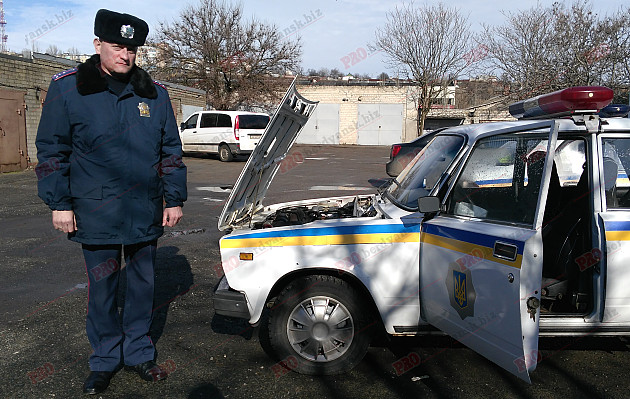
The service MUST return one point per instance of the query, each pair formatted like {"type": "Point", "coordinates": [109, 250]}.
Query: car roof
{"type": "Point", "coordinates": [231, 113]}
{"type": "Point", "coordinates": [476, 131]}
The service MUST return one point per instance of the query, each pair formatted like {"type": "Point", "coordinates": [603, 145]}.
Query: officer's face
{"type": "Point", "coordinates": [115, 58]}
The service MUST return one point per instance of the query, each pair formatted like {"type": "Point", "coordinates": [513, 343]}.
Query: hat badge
{"type": "Point", "coordinates": [127, 31]}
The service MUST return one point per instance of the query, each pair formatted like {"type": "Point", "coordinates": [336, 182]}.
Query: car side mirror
{"type": "Point", "coordinates": [428, 205]}
{"type": "Point", "coordinates": [182, 126]}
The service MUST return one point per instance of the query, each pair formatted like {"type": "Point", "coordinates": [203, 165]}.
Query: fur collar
{"type": "Point", "coordinates": [90, 79]}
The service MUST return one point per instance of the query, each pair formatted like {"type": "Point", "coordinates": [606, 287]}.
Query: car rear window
{"type": "Point", "coordinates": [253, 121]}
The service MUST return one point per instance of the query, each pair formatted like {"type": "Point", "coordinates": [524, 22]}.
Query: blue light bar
{"type": "Point", "coordinates": [615, 111]}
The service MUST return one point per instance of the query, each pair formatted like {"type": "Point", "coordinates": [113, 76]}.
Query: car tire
{"type": "Point", "coordinates": [319, 325]}
{"type": "Point", "coordinates": [225, 155]}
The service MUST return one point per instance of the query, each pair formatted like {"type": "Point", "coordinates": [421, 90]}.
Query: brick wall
{"type": "Point", "coordinates": [32, 76]}
{"type": "Point", "coordinates": [182, 95]}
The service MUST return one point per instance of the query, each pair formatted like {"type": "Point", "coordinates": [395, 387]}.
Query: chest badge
{"type": "Point", "coordinates": [144, 109]}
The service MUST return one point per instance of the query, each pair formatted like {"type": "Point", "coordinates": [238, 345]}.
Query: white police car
{"type": "Point", "coordinates": [495, 234]}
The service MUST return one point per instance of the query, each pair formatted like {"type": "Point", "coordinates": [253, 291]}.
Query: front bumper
{"type": "Point", "coordinates": [228, 302]}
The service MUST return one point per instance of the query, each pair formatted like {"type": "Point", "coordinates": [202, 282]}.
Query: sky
{"type": "Point", "coordinates": [334, 33]}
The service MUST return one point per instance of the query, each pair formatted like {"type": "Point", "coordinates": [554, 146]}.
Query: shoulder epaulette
{"type": "Point", "coordinates": [64, 74]}
{"type": "Point", "coordinates": [160, 84]}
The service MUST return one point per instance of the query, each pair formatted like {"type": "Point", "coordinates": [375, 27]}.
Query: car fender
{"type": "Point", "coordinates": [386, 266]}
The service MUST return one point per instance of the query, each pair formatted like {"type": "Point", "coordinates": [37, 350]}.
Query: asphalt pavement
{"type": "Point", "coordinates": [44, 351]}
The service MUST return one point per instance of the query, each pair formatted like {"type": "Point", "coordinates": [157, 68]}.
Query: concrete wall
{"type": "Point", "coordinates": [32, 76]}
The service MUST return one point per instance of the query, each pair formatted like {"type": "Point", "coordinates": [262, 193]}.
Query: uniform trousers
{"type": "Point", "coordinates": [113, 342]}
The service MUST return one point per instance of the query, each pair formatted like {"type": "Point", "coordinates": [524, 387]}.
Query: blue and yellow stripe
{"type": "Point", "coordinates": [622, 180]}
{"type": "Point", "coordinates": [617, 230]}
{"type": "Point", "coordinates": [469, 243]}
{"type": "Point", "coordinates": [494, 183]}
{"type": "Point", "coordinates": [337, 235]}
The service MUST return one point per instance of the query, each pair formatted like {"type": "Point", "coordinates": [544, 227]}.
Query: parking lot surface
{"type": "Point", "coordinates": [44, 351]}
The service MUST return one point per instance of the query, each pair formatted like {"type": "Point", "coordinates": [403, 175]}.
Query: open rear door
{"type": "Point", "coordinates": [481, 257]}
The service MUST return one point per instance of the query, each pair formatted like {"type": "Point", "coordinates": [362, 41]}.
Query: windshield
{"type": "Point", "coordinates": [424, 171]}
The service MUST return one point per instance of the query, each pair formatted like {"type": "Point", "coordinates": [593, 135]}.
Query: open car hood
{"type": "Point", "coordinates": [263, 163]}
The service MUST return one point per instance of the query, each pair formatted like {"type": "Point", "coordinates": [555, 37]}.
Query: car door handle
{"type": "Point", "coordinates": [505, 251]}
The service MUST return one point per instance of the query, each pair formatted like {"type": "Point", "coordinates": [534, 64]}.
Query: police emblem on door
{"type": "Point", "coordinates": [461, 291]}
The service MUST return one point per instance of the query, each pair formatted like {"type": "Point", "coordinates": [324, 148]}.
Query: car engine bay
{"type": "Point", "coordinates": [322, 210]}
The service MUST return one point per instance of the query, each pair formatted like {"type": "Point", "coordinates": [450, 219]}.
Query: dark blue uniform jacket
{"type": "Point", "coordinates": [113, 160]}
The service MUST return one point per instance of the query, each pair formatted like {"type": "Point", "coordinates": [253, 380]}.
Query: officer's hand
{"type": "Point", "coordinates": [172, 216]}
{"type": "Point", "coordinates": [64, 221]}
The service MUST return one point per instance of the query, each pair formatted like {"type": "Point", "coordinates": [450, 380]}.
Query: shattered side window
{"type": "Point", "coordinates": [615, 164]}
{"type": "Point", "coordinates": [501, 180]}
{"type": "Point", "coordinates": [570, 160]}
{"type": "Point", "coordinates": [423, 173]}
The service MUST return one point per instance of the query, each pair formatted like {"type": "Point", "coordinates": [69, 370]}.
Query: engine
{"type": "Point", "coordinates": [296, 215]}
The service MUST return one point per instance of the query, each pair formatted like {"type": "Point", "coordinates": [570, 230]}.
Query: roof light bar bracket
{"type": "Point", "coordinates": [591, 121]}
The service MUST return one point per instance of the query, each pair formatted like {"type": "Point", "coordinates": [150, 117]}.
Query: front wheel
{"type": "Point", "coordinates": [319, 326]}
{"type": "Point", "coordinates": [225, 155]}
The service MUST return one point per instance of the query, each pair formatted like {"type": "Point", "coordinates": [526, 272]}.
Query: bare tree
{"type": "Point", "coordinates": [543, 49]}
{"type": "Point", "coordinates": [429, 43]}
{"type": "Point", "coordinates": [323, 72]}
{"type": "Point", "coordinates": [53, 50]}
{"type": "Point", "coordinates": [73, 51]}
{"type": "Point", "coordinates": [615, 53]}
{"type": "Point", "coordinates": [213, 47]}
{"type": "Point", "coordinates": [335, 73]}
{"type": "Point", "coordinates": [521, 49]}
{"type": "Point", "coordinates": [575, 45]}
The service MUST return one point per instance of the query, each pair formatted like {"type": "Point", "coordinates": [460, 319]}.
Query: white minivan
{"type": "Point", "coordinates": [227, 133]}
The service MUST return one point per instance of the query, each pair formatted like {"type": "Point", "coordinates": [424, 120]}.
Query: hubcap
{"type": "Point", "coordinates": [320, 329]}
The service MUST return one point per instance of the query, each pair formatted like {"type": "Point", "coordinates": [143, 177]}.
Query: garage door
{"type": "Point", "coordinates": [379, 124]}
{"type": "Point", "coordinates": [322, 127]}
{"type": "Point", "coordinates": [12, 131]}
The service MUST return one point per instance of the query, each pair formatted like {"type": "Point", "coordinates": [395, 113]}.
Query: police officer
{"type": "Point", "coordinates": [118, 178]}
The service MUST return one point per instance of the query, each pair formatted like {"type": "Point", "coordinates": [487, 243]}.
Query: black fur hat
{"type": "Point", "coordinates": [119, 28]}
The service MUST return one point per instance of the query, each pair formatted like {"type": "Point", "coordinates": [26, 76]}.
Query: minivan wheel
{"type": "Point", "coordinates": [319, 325]}
{"type": "Point", "coordinates": [225, 155]}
